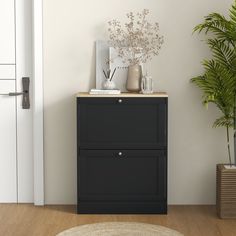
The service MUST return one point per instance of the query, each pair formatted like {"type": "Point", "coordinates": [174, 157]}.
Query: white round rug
{"type": "Point", "coordinates": [120, 229]}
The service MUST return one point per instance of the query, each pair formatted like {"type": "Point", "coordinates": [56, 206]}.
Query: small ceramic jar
{"type": "Point", "coordinates": [108, 84]}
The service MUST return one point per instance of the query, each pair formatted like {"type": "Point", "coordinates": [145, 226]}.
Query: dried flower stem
{"type": "Point", "coordinates": [138, 40]}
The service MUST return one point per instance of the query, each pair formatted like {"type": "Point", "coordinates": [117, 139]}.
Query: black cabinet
{"type": "Point", "coordinates": [122, 154]}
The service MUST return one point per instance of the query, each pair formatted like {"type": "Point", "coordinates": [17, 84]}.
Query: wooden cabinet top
{"type": "Point", "coordinates": [138, 95]}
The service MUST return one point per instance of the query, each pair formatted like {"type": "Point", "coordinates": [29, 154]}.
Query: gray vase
{"type": "Point", "coordinates": [133, 83]}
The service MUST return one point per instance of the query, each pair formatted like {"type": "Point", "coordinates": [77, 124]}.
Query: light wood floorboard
{"type": "Point", "coordinates": [28, 220]}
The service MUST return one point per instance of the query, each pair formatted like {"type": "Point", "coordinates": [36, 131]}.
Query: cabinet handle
{"type": "Point", "coordinates": [120, 154]}
{"type": "Point", "coordinates": [120, 100]}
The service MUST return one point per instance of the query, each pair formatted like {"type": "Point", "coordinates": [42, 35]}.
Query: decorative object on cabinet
{"type": "Point", "coordinates": [106, 91]}
{"type": "Point", "coordinates": [147, 84]}
{"type": "Point", "coordinates": [102, 54]}
{"type": "Point", "coordinates": [218, 84]}
{"type": "Point", "coordinates": [115, 61]}
{"type": "Point", "coordinates": [108, 59]}
{"type": "Point", "coordinates": [122, 153]}
{"type": "Point", "coordinates": [136, 43]}
{"type": "Point", "coordinates": [133, 83]}
{"type": "Point", "coordinates": [108, 83]}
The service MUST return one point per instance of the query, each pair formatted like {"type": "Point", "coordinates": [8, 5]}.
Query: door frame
{"type": "Point", "coordinates": [38, 144]}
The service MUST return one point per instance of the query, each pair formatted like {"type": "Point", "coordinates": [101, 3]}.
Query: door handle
{"type": "Point", "coordinates": [25, 93]}
{"type": "Point", "coordinates": [15, 94]}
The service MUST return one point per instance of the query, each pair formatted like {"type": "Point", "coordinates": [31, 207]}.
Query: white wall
{"type": "Point", "coordinates": [70, 29]}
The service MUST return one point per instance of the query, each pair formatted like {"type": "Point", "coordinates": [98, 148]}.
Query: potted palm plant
{"type": "Point", "coordinates": [218, 84]}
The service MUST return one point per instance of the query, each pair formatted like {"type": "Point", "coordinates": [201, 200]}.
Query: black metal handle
{"type": "Point", "coordinates": [15, 94]}
{"type": "Point", "coordinates": [25, 93]}
{"type": "Point", "coordinates": [26, 98]}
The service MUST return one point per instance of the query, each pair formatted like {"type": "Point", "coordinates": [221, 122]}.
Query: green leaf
{"type": "Point", "coordinates": [224, 122]}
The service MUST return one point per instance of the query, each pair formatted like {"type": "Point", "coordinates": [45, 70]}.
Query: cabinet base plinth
{"type": "Point", "coordinates": [122, 207]}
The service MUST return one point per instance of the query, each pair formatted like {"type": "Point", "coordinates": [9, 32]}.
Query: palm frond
{"type": "Point", "coordinates": [218, 86]}
{"type": "Point", "coordinates": [233, 13]}
{"type": "Point", "coordinates": [224, 122]}
{"type": "Point", "coordinates": [218, 25]}
{"type": "Point", "coordinates": [222, 52]}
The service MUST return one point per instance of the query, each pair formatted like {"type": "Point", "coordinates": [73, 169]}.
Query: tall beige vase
{"type": "Point", "coordinates": [133, 83]}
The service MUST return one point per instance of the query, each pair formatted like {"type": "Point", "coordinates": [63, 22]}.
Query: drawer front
{"type": "Point", "coordinates": [122, 175]}
{"type": "Point", "coordinates": [129, 123]}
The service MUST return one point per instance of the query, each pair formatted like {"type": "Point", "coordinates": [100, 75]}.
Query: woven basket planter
{"type": "Point", "coordinates": [225, 192]}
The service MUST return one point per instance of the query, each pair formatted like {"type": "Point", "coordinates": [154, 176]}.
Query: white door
{"type": "Point", "coordinates": [16, 145]}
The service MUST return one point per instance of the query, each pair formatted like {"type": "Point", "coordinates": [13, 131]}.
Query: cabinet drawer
{"type": "Point", "coordinates": [130, 123]}
{"type": "Point", "coordinates": [122, 175]}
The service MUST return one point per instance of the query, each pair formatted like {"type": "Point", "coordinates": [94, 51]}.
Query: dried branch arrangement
{"type": "Point", "coordinates": [137, 41]}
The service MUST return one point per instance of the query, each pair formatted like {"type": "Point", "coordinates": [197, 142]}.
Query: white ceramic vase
{"type": "Point", "coordinates": [108, 84]}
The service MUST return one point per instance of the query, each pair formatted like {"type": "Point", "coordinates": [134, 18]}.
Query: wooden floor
{"type": "Point", "coordinates": [28, 220]}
